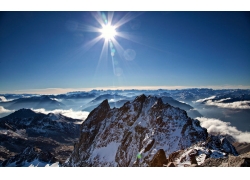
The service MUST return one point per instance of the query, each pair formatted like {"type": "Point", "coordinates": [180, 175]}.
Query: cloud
{"type": "Point", "coordinates": [69, 113]}
{"type": "Point", "coordinates": [2, 98]}
{"type": "Point", "coordinates": [221, 100]}
{"type": "Point", "coordinates": [216, 126]}
{"type": "Point", "coordinates": [55, 99]}
{"type": "Point", "coordinates": [219, 103]}
{"type": "Point", "coordinates": [5, 112]}
{"type": "Point", "coordinates": [202, 100]}
{"type": "Point", "coordinates": [233, 105]}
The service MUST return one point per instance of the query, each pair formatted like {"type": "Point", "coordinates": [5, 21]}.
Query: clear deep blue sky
{"type": "Point", "coordinates": [40, 50]}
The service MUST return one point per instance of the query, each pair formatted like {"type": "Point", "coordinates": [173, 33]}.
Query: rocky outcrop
{"type": "Point", "coordinates": [241, 148]}
{"type": "Point", "coordinates": [159, 159]}
{"type": "Point", "coordinates": [136, 134]}
{"type": "Point", "coordinates": [242, 160]}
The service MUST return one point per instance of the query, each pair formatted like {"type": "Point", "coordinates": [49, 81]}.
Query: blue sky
{"type": "Point", "coordinates": [41, 50]}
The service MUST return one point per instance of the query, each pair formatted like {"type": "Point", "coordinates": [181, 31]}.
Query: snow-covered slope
{"type": "Point", "coordinates": [132, 135]}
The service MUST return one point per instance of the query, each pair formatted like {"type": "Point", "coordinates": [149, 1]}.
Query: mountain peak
{"type": "Point", "coordinates": [104, 104]}
{"type": "Point", "coordinates": [138, 134]}
{"type": "Point", "coordinates": [140, 98]}
{"type": "Point", "coordinates": [23, 113]}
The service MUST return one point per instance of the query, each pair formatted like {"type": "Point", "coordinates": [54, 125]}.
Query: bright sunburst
{"type": "Point", "coordinates": [108, 32]}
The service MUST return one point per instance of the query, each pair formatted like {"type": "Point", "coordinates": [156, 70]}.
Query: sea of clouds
{"type": "Point", "coordinates": [219, 103]}
{"type": "Point", "coordinates": [69, 113]}
{"type": "Point", "coordinates": [217, 126]}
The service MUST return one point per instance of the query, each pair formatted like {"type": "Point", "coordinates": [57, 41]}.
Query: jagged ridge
{"type": "Point", "coordinates": [133, 134]}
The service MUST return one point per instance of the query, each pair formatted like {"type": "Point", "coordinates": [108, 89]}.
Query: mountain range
{"type": "Point", "coordinates": [124, 128]}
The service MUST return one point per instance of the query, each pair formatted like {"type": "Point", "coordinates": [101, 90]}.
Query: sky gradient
{"type": "Point", "coordinates": [41, 50]}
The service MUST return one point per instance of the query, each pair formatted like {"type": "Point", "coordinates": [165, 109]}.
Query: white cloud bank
{"type": "Point", "coordinates": [205, 99]}
{"type": "Point", "coordinates": [4, 111]}
{"type": "Point", "coordinates": [69, 113]}
{"type": "Point", "coordinates": [219, 103]}
{"type": "Point", "coordinates": [216, 126]}
{"type": "Point", "coordinates": [233, 105]}
{"type": "Point", "coordinates": [3, 99]}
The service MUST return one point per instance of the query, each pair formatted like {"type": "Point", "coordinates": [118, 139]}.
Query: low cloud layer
{"type": "Point", "coordinates": [3, 99]}
{"type": "Point", "coordinates": [233, 105]}
{"type": "Point", "coordinates": [219, 103]}
{"type": "Point", "coordinates": [4, 112]}
{"type": "Point", "coordinates": [69, 113]}
{"type": "Point", "coordinates": [216, 126]}
{"type": "Point", "coordinates": [205, 99]}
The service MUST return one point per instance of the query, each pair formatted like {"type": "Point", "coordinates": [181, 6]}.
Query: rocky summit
{"type": "Point", "coordinates": [144, 132]}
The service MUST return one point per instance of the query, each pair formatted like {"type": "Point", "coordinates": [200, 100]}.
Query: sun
{"type": "Point", "coordinates": [108, 32]}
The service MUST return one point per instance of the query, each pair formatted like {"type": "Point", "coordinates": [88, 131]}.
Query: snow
{"type": "Point", "coordinates": [35, 163]}
{"type": "Point", "coordinates": [106, 153]}
{"type": "Point", "coordinates": [53, 165]}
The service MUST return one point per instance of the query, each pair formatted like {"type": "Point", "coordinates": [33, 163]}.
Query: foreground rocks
{"type": "Point", "coordinates": [242, 160]}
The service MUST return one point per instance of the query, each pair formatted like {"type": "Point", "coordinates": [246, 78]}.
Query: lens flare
{"type": "Point", "coordinates": [139, 156]}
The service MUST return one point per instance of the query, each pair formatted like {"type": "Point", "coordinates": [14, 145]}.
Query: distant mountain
{"type": "Point", "coordinates": [31, 157]}
{"type": "Point", "coordinates": [189, 109]}
{"type": "Point", "coordinates": [139, 132]}
{"type": "Point", "coordinates": [116, 100]}
{"type": "Point", "coordinates": [49, 132]}
{"type": "Point", "coordinates": [100, 98]}
{"type": "Point", "coordinates": [74, 95]}
{"type": "Point", "coordinates": [34, 102]}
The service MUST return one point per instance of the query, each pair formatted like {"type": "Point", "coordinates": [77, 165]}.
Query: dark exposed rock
{"type": "Point", "coordinates": [192, 156]}
{"type": "Point", "coordinates": [159, 159]}
{"type": "Point", "coordinates": [174, 155]}
{"type": "Point", "coordinates": [241, 148]}
{"type": "Point", "coordinates": [171, 164]}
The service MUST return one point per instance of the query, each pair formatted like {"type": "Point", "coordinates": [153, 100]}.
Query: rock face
{"type": "Point", "coordinates": [242, 147]}
{"type": "Point", "coordinates": [159, 159]}
{"type": "Point", "coordinates": [242, 160]}
{"type": "Point", "coordinates": [217, 148]}
{"type": "Point", "coordinates": [134, 134]}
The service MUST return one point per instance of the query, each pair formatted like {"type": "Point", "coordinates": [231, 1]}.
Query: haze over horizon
{"type": "Point", "coordinates": [58, 52]}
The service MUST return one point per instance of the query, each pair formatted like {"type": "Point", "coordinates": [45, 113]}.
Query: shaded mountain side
{"type": "Point", "coordinates": [25, 128]}
{"type": "Point", "coordinates": [28, 157]}
{"type": "Point", "coordinates": [133, 134]}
